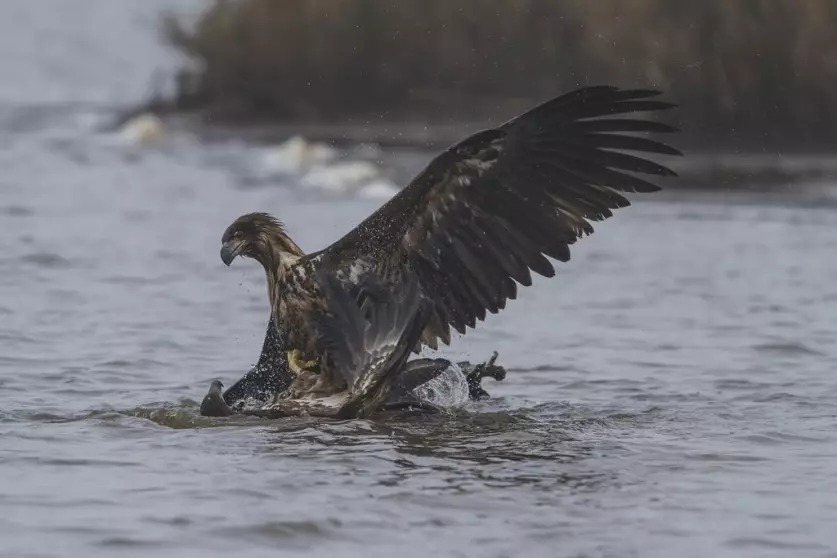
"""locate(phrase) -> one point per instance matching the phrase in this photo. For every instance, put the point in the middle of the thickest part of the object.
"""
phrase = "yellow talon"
(297, 365)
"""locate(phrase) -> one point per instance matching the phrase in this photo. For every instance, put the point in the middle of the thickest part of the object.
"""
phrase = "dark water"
(672, 392)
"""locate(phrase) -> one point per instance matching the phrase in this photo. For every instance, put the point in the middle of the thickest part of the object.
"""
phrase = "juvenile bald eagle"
(454, 244)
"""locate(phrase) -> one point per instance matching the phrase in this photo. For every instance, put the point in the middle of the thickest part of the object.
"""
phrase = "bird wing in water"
(368, 337)
(486, 212)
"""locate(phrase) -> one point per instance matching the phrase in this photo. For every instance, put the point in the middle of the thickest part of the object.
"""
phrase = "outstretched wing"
(488, 210)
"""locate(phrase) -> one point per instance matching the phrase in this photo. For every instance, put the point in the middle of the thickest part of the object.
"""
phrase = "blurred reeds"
(744, 71)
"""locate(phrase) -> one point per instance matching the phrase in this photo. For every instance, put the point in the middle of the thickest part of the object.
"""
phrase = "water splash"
(449, 389)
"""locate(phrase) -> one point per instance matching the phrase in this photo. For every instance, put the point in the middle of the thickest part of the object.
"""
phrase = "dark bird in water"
(272, 374)
(213, 405)
(449, 248)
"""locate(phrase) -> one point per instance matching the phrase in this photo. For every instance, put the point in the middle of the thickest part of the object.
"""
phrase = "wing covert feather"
(490, 209)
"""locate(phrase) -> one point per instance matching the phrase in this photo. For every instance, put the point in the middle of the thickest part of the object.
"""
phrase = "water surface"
(671, 392)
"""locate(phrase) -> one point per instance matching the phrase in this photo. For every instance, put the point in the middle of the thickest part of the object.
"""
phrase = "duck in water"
(213, 404)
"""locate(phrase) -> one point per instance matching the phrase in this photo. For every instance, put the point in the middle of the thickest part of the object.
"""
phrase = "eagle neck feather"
(277, 255)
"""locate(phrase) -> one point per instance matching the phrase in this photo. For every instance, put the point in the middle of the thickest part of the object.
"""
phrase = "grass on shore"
(749, 71)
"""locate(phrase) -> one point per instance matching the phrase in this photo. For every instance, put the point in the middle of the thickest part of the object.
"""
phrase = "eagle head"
(259, 236)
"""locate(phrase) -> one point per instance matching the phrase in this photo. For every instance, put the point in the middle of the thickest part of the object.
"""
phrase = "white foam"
(143, 130)
(448, 389)
(382, 189)
(294, 156)
(344, 176)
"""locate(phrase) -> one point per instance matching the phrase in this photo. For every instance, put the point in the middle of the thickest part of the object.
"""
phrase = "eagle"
(451, 247)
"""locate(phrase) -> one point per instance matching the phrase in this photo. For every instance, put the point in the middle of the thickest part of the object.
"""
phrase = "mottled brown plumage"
(466, 231)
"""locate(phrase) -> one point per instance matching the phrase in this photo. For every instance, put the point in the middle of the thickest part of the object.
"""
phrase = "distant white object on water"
(381, 189)
(295, 155)
(344, 176)
(366, 150)
(143, 130)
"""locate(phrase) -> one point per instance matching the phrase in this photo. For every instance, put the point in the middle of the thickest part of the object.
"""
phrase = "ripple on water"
(287, 530)
(16, 211)
(129, 280)
(125, 542)
(41, 416)
(780, 438)
(79, 462)
(9, 336)
(772, 544)
(187, 416)
(742, 384)
(27, 361)
(70, 375)
(725, 457)
(788, 348)
(140, 363)
(175, 521)
(137, 215)
(46, 260)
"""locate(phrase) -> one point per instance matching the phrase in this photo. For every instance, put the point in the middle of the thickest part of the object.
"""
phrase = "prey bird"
(449, 248)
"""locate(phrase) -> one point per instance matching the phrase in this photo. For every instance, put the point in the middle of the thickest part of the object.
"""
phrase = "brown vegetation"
(746, 72)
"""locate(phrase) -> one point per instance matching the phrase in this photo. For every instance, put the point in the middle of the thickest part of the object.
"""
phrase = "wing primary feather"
(620, 125)
(615, 141)
(493, 272)
(495, 207)
(505, 259)
(478, 271)
(442, 290)
(592, 173)
(595, 110)
(588, 96)
(523, 247)
(459, 289)
(601, 157)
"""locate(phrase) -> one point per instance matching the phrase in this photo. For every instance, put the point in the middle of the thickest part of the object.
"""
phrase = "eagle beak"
(229, 250)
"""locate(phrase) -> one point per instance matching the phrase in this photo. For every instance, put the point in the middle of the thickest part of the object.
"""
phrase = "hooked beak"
(230, 249)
